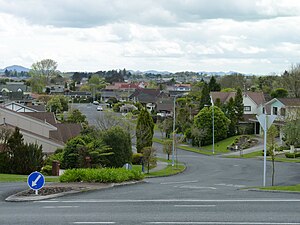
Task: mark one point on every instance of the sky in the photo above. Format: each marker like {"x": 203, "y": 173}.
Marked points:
{"x": 247, "y": 36}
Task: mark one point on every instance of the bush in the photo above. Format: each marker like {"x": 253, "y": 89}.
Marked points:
{"x": 136, "y": 158}
{"x": 105, "y": 175}
{"x": 47, "y": 170}
{"x": 292, "y": 155}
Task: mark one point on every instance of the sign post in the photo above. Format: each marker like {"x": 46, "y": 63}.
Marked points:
{"x": 36, "y": 181}
{"x": 265, "y": 122}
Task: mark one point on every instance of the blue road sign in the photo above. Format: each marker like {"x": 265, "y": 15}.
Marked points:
{"x": 36, "y": 180}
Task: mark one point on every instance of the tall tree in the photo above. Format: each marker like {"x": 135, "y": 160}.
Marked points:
{"x": 271, "y": 144}
{"x": 45, "y": 68}
{"x": 213, "y": 85}
{"x": 279, "y": 93}
{"x": 205, "y": 96}
{"x": 291, "y": 80}
{"x": 144, "y": 130}
{"x": 239, "y": 105}
{"x": 149, "y": 157}
{"x": 203, "y": 120}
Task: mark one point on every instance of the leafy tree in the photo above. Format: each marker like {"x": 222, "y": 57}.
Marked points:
{"x": 230, "y": 112}
{"x": 144, "y": 130}
{"x": 44, "y": 68}
{"x": 239, "y": 105}
{"x": 119, "y": 142}
{"x": 85, "y": 151}
{"x": 167, "y": 148}
{"x": 149, "y": 157}
{"x": 54, "y": 105}
{"x": 203, "y": 120}
{"x": 166, "y": 126}
{"x": 213, "y": 85}
{"x": 75, "y": 116}
{"x": 291, "y": 80}
{"x": 24, "y": 158}
{"x": 205, "y": 96}
{"x": 279, "y": 93}
{"x": 291, "y": 132}
{"x": 198, "y": 135}
{"x": 233, "y": 81}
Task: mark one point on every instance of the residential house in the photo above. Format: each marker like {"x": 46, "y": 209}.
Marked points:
{"x": 147, "y": 97}
{"x": 253, "y": 105}
{"x": 14, "y": 91}
{"x": 38, "y": 127}
{"x": 284, "y": 109}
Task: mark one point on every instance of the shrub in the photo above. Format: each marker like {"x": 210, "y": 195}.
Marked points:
{"x": 47, "y": 170}
{"x": 292, "y": 155}
{"x": 105, "y": 175}
{"x": 136, "y": 158}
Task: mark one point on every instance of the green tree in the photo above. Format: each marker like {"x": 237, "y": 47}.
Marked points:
{"x": 213, "y": 85}
{"x": 167, "y": 147}
{"x": 149, "y": 157}
{"x": 144, "y": 130}
{"x": 119, "y": 142}
{"x": 279, "y": 93}
{"x": 239, "y": 105}
{"x": 75, "y": 116}
{"x": 205, "y": 96}
{"x": 198, "y": 135}
{"x": 203, "y": 120}
{"x": 24, "y": 158}
{"x": 291, "y": 132}
{"x": 44, "y": 69}
{"x": 230, "y": 112}
{"x": 54, "y": 105}
{"x": 291, "y": 80}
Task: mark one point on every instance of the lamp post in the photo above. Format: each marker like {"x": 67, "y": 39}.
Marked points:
{"x": 213, "y": 125}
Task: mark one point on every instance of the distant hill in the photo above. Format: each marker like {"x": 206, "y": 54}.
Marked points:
{"x": 15, "y": 68}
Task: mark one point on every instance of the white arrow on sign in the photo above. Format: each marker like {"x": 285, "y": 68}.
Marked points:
{"x": 34, "y": 183}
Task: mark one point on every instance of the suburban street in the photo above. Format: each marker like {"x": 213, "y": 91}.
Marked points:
{"x": 210, "y": 191}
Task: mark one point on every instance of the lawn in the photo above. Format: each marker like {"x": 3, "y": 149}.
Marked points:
{"x": 220, "y": 147}
{"x": 22, "y": 178}
{"x": 295, "y": 188}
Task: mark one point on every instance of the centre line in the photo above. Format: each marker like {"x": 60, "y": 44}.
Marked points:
{"x": 60, "y": 207}
{"x": 194, "y": 205}
{"x": 181, "y": 182}
{"x": 94, "y": 222}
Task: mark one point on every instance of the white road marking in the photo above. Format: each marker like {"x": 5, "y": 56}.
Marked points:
{"x": 94, "y": 222}
{"x": 166, "y": 200}
{"x": 194, "y": 206}
{"x": 232, "y": 185}
{"x": 224, "y": 223}
{"x": 181, "y": 182}
{"x": 60, "y": 207}
{"x": 196, "y": 187}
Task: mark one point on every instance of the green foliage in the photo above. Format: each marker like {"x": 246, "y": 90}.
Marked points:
{"x": 279, "y": 93}
{"x": 149, "y": 157}
{"x": 46, "y": 170}
{"x": 291, "y": 132}
{"x": 167, "y": 147}
{"x": 136, "y": 158}
{"x": 57, "y": 156}
{"x": 213, "y": 85}
{"x": 144, "y": 130}
{"x": 205, "y": 96}
{"x": 203, "y": 120}
{"x": 105, "y": 175}
{"x": 119, "y": 142}
{"x": 239, "y": 105}
{"x": 75, "y": 116}
{"x": 23, "y": 158}
{"x": 54, "y": 105}
{"x": 292, "y": 155}
{"x": 84, "y": 151}
{"x": 116, "y": 106}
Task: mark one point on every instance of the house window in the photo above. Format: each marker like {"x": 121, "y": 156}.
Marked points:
{"x": 282, "y": 111}
{"x": 264, "y": 111}
{"x": 275, "y": 111}
{"x": 247, "y": 108}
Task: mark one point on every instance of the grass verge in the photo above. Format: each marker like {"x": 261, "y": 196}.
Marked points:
{"x": 22, "y": 178}
{"x": 295, "y": 188}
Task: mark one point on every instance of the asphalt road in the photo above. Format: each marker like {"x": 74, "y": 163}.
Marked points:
{"x": 210, "y": 191}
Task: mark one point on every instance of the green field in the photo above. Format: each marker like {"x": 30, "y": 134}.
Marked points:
{"x": 22, "y": 178}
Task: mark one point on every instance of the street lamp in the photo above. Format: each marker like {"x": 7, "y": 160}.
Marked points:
{"x": 174, "y": 120}
{"x": 213, "y": 124}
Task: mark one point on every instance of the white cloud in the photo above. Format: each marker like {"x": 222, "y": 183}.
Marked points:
{"x": 248, "y": 36}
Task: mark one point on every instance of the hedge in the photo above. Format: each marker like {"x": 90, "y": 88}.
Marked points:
{"x": 105, "y": 175}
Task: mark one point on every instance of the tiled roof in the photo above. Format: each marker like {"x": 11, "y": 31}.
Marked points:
{"x": 257, "y": 97}
{"x": 39, "y": 108}
{"x": 65, "y": 131}
{"x": 43, "y": 116}
{"x": 146, "y": 95}
{"x": 290, "y": 101}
